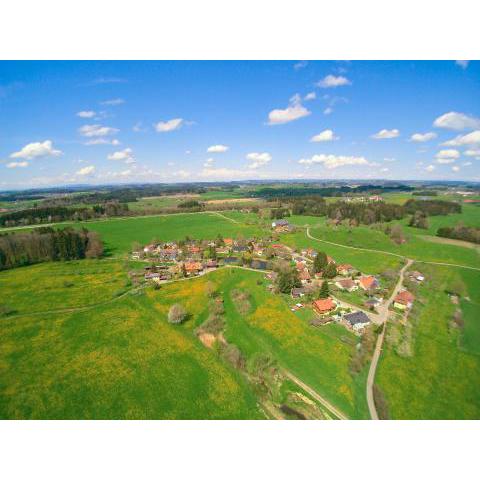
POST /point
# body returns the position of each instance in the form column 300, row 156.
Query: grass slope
column 440, row 380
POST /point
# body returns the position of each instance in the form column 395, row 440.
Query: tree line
column 460, row 232
column 39, row 215
column 46, row 244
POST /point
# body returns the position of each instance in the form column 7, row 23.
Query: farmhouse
column 417, row 276
column 347, row 284
column 304, row 276
column 368, row 282
column 309, row 252
column 345, row 269
column 193, row 267
column 324, row 305
column 404, row 300
column 298, row 292
column 281, row 226
column 356, row 320
column 228, row 242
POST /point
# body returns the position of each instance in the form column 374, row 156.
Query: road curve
column 309, row 235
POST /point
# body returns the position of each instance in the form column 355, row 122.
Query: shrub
column 380, row 403
column 177, row 314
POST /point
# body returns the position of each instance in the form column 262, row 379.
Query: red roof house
column 324, row 305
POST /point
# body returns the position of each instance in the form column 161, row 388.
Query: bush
column 241, row 299
column 380, row 403
column 177, row 314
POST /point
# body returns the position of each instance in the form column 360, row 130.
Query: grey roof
column 356, row 318
column 261, row 264
column 280, row 222
column 230, row 260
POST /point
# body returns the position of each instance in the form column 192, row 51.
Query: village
column 307, row 279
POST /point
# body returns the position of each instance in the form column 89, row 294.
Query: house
column 324, row 305
column 403, row 300
column 280, row 224
column 368, row 282
column 222, row 250
column 211, row 264
column 304, row 276
column 330, row 259
column 357, row 320
column 373, row 302
column 193, row 249
column 258, row 250
column 259, row 264
column 228, row 242
column 319, row 321
column 239, row 248
column 345, row 269
column 149, row 248
column 230, row 260
column 309, row 252
column 298, row 292
column 375, row 198
column 152, row 276
column 300, row 266
column 417, row 276
column 347, row 284
column 193, row 267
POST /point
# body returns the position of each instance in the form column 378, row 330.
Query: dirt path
column 340, row 415
column 383, row 311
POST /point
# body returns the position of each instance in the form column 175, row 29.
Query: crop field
column 440, row 379
column 118, row 360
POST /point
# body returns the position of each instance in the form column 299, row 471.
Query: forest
column 47, row 244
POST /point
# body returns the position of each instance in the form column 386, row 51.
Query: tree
column 330, row 270
column 184, row 270
column 320, row 262
column 324, row 290
column 287, row 279
column 419, row 220
column 177, row 314
column 396, row 234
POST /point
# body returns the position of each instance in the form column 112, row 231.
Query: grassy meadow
column 117, row 360
column 440, row 378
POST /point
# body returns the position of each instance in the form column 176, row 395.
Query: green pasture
column 440, row 380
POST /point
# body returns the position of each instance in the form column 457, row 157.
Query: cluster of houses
column 282, row 226
column 174, row 260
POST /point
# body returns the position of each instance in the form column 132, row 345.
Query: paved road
column 383, row 311
column 315, row 395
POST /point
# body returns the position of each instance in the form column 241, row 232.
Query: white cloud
column 113, row 102
column 300, row 65
column 328, row 111
column 310, row 96
column 169, row 125
column 447, row 156
column 331, row 81
column 103, row 141
column 430, row 168
column 455, row 169
column 208, row 162
column 293, row 112
column 258, row 159
column 457, row 121
column 17, row 164
column 97, row 131
column 466, row 164
column 472, row 153
column 37, row 149
column 384, row 169
column 217, row 148
column 86, row 114
column 171, row 164
column 125, row 155
column 334, row 161
column 389, row 159
column 182, row 173
column 423, row 137
column 462, row 63
column 472, row 138
column 384, row 133
column 86, row 171
column 325, row 136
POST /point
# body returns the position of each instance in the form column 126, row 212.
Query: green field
column 440, row 379
column 117, row 360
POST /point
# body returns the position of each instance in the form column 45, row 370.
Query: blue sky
column 119, row 122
